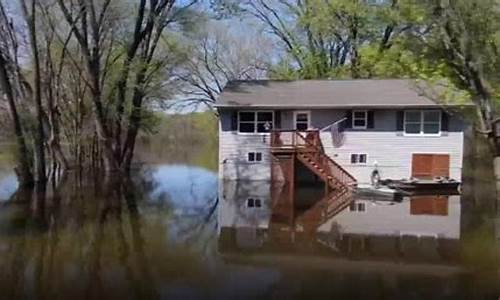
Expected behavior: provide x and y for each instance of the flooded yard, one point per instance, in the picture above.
(174, 231)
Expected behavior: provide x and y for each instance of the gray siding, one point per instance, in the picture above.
(385, 120)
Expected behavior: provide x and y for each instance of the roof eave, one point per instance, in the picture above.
(384, 106)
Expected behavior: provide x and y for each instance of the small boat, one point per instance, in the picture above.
(414, 185)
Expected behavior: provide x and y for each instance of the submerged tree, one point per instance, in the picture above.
(87, 79)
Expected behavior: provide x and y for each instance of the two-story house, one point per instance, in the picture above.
(361, 125)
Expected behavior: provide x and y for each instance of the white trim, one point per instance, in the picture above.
(422, 111)
(255, 112)
(353, 119)
(307, 112)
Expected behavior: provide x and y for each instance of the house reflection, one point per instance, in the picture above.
(421, 229)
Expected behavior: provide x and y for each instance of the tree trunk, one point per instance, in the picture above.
(110, 162)
(134, 123)
(30, 19)
(133, 130)
(24, 174)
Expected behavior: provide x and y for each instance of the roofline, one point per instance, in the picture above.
(341, 106)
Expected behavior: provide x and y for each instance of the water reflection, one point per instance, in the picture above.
(405, 249)
(421, 223)
(91, 239)
(173, 231)
(8, 185)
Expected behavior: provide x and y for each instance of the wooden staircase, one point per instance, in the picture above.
(307, 148)
(332, 204)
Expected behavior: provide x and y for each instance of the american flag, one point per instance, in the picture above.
(337, 132)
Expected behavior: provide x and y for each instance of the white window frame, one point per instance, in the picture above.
(422, 112)
(354, 119)
(357, 161)
(255, 157)
(256, 122)
(307, 112)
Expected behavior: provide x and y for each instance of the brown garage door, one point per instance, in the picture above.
(427, 166)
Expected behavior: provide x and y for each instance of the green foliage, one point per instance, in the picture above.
(443, 43)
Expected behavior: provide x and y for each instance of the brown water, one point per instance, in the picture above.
(175, 232)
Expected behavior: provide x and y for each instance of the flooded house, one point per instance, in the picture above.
(336, 131)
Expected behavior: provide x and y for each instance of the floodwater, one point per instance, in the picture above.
(174, 232)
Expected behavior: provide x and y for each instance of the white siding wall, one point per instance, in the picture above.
(233, 153)
(391, 151)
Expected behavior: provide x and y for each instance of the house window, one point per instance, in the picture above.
(302, 120)
(359, 158)
(254, 156)
(359, 119)
(255, 121)
(254, 203)
(420, 122)
(357, 206)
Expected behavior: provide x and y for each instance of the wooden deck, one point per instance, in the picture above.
(305, 147)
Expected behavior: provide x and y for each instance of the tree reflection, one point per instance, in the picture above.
(87, 238)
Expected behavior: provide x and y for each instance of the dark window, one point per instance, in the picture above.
(247, 116)
(247, 127)
(432, 122)
(357, 206)
(254, 203)
(301, 126)
(251, 121)
(264, 127)
(302, 121)
(258, 156)
(359, 158)
(254, 156)
(251, 156)
(265, 116)
(422, 122)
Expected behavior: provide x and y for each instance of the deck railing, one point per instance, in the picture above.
(309, 143)
(294, 138)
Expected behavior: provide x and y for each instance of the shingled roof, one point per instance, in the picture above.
(370, 93)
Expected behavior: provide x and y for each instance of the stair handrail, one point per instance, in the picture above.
(318, 149)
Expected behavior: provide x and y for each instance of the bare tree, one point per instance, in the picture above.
(217, 56)
(88, 23)
(93, 29)
(8, 53)
(30, 18)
